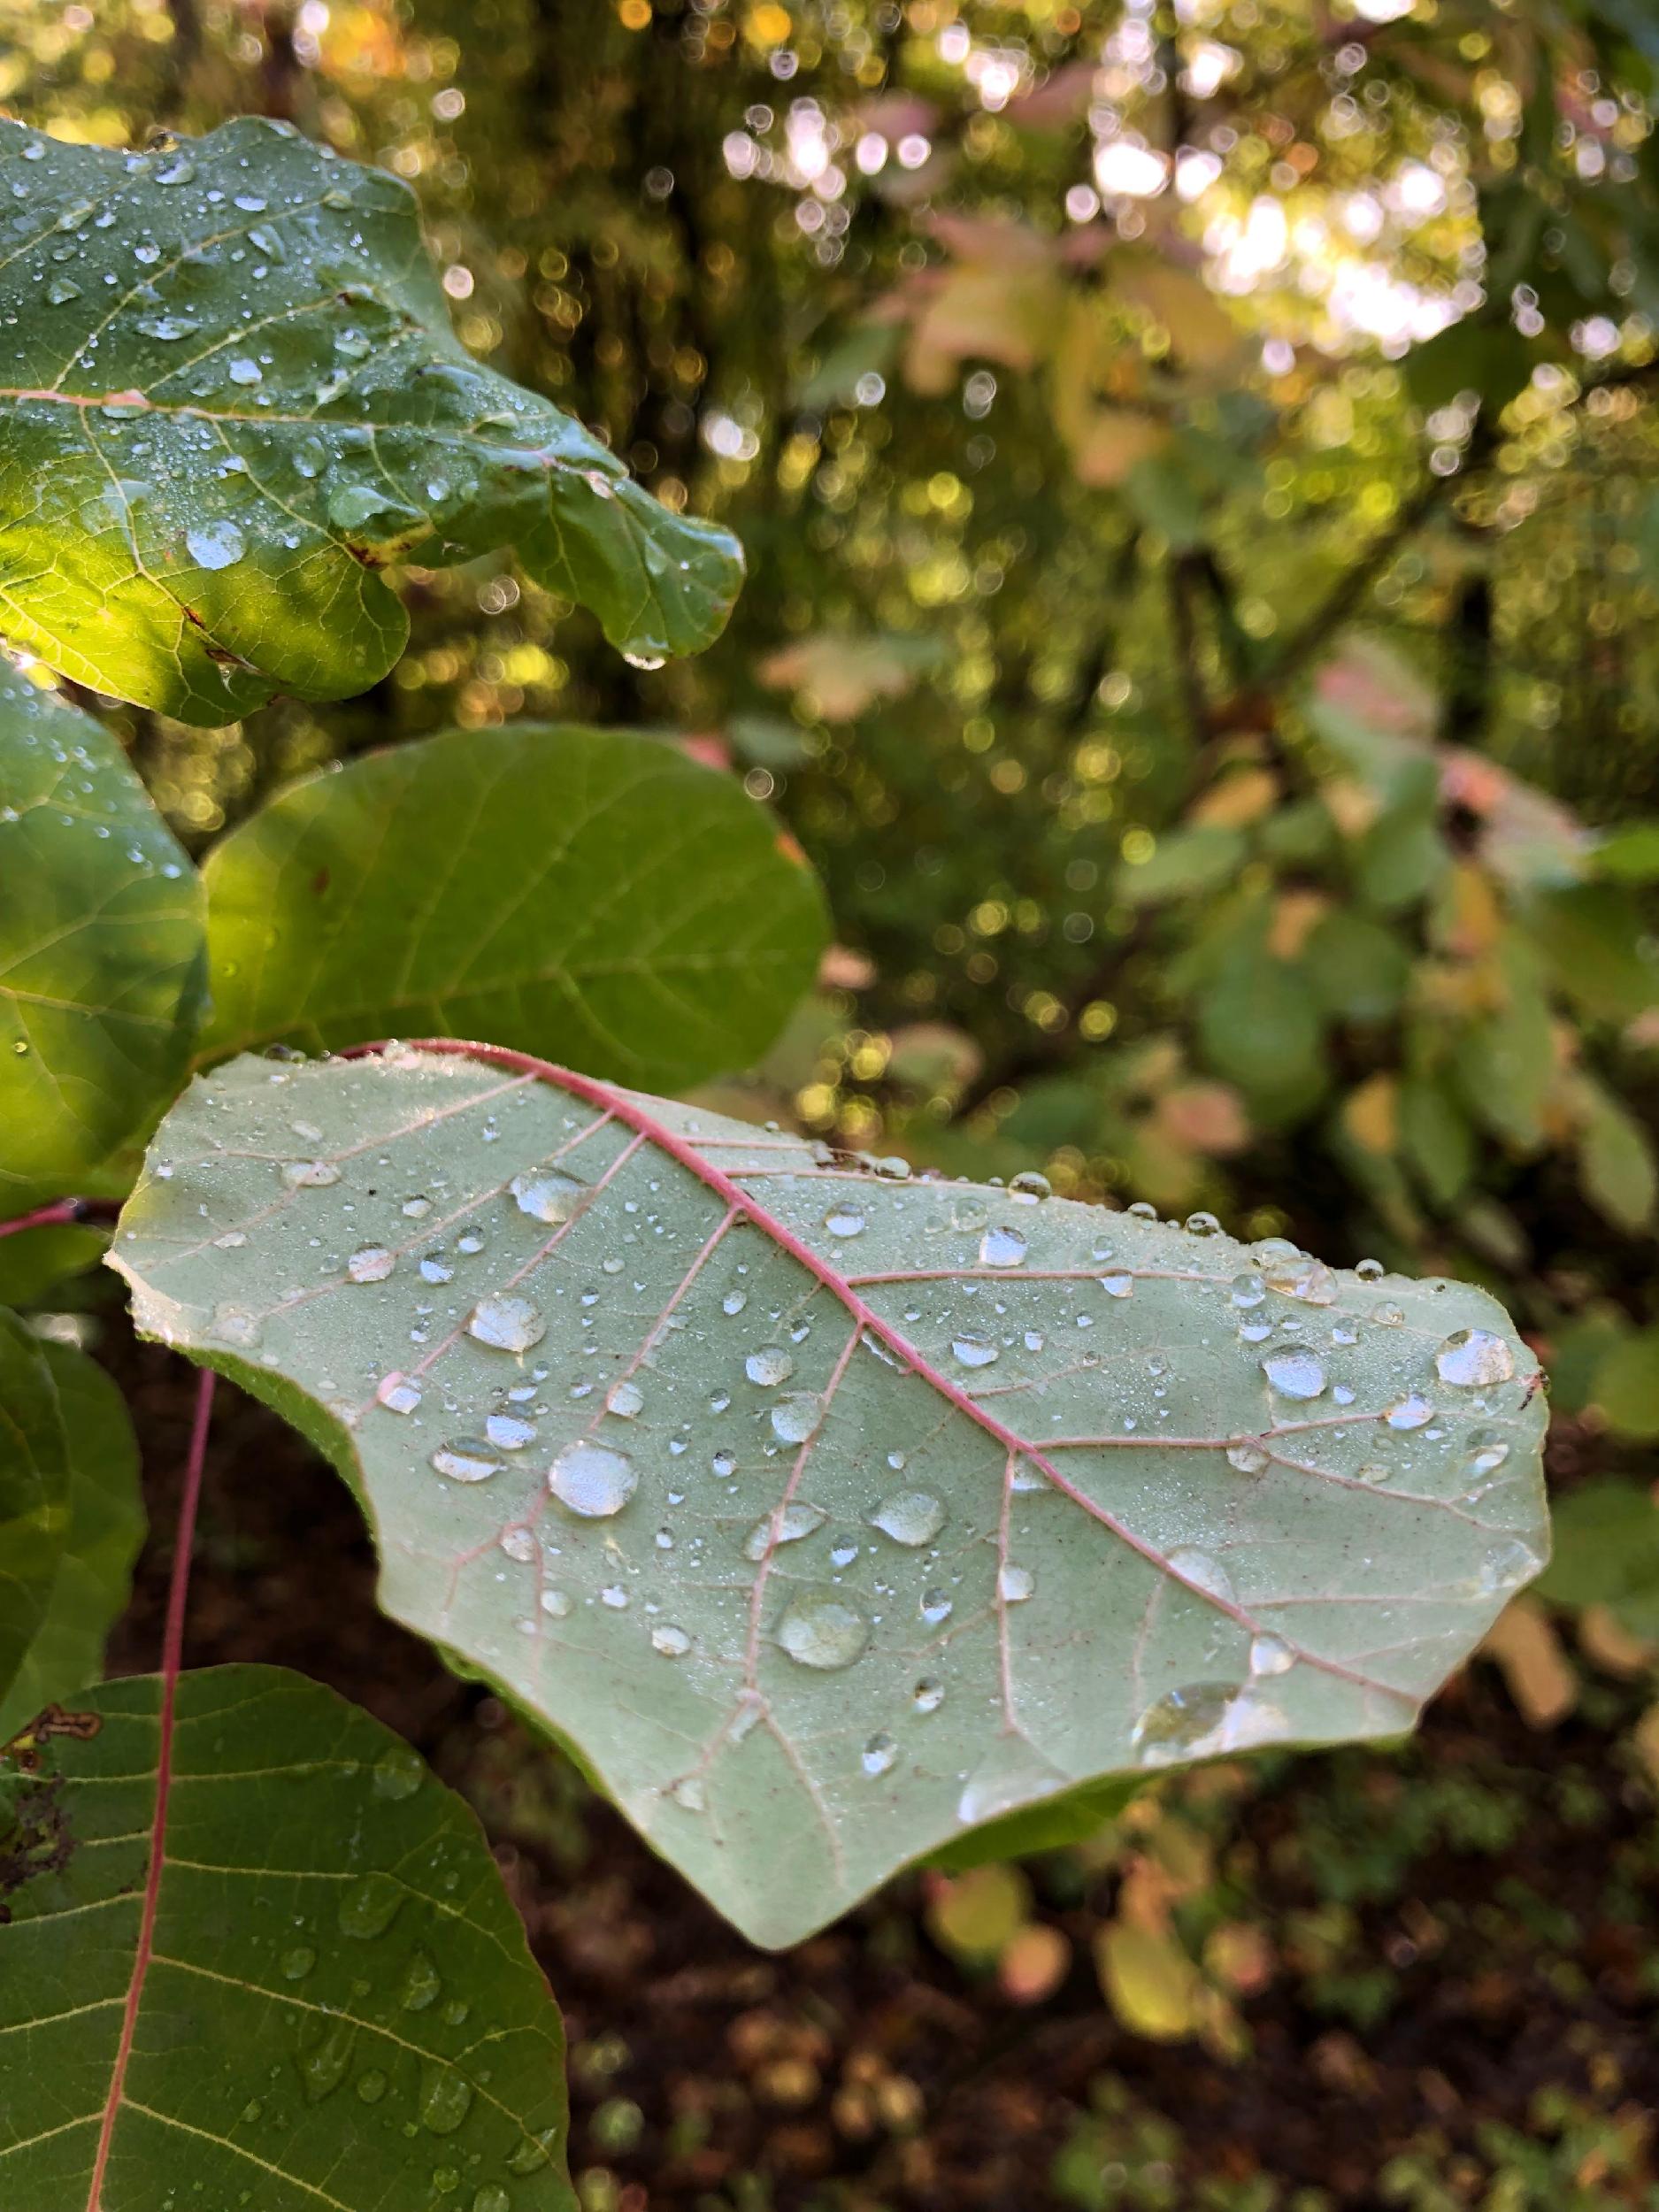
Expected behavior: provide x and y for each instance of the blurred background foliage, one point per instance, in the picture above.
(1199, 468)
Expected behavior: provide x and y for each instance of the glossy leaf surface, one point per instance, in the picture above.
(596, 896)
(314, 1994)
(231, 395)
(832, 1515)
(80, 1419)
(102, 957)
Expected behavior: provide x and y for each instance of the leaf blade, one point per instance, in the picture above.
(575, 906)
(855, 1519)
(304, 1850)
(103, 959)
(103, 1527)
(212, 459)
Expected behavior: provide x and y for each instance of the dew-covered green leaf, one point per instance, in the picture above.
(830, 1515)
(102, 958)
(331, 2004)
(231, 396)
(596, 897)
(33, 1492)
(104, 1525)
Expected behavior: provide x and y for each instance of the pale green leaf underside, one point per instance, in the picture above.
(337, 2004)
(230, 393)
(1013, 1555)
(102, 954)
(594, 897)
(102, 1529)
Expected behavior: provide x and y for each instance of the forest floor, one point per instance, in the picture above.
(1435, 1984)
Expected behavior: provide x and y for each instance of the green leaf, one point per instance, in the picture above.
(1627, 1385)
(1593, 940)
(33, 1492)
(282, 1973)
(103, 1518)
(1184, 861)
(1630, 855)
(101, 960)
(1259, 1025)
(1359, 968)
(1607, 1552)
(831, 1516)
(1492, 360)
(1506, 1061)
(1435, 1137)
(595, 895)
(233, 396)
(33, 1261)
(1616, 1159)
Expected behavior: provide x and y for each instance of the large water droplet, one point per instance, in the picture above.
(591, 1481)
(1507, 1565)
(1294, 1374)
(796, 1521)
(1002, 1248)
(973, 1351)
(510, 1432)
(548, 1194)
(1249, 1456)
(1119, 1284)
(1474, 1358)
(1015, 1584)
(1270, 1654)
(1028, 1185)
(323, 2066)
(446, 2098)
(1203, 1572)
(310, 1174)
(625, 1398)
(370, 1263)
(1410, 1412)
(506, 1323)
(215, 545)
(670, 1641)
(878, 1754)
(398, 1772)
(794, 1418)
(468, 1459)
(909, 1516)
(370, 1905)
(769, 1366)
(844, 1220)
(1204, 1719)
(820, 1629)
(397, 1393)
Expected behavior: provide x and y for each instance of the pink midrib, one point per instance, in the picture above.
(173, 1653)
(627, 1109)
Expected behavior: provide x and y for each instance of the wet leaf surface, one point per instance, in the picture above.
(101, 957)
(232, 395)
(829, 1514)
(333, 2002)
